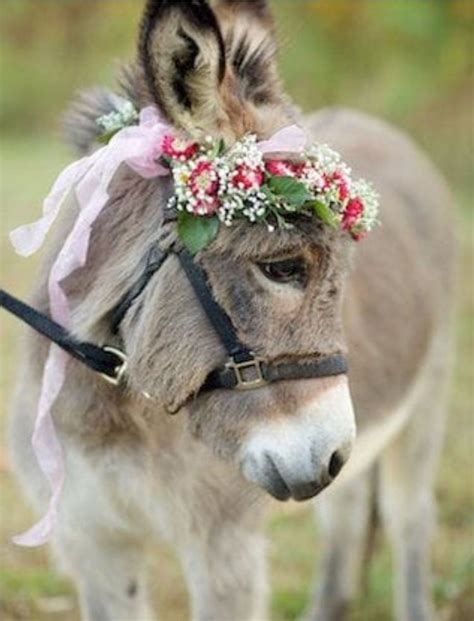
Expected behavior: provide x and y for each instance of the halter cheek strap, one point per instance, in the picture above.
(219, 319)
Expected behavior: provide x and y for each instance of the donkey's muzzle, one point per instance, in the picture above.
(299, 454)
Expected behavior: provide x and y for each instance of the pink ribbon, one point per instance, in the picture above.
(291, 139)
(140, 147)
(90, 178)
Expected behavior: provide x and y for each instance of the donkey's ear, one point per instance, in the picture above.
(182, 53)
(251, 48)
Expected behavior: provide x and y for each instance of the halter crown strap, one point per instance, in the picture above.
(154, 260)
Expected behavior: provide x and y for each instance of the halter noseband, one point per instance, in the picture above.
(243, 370)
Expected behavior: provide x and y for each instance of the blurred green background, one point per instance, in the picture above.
(409, 61)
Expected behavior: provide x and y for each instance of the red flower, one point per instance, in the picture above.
(340, 181)
(327, 181)
(178, 148)
(206, 206)
(299, 169)
(353, 211)
(203, 179)
(359, 236)
(343, 185)
(247, 178)
(280, 168)
(343, 191)
(204, 184)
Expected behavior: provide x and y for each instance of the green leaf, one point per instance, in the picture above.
(282, 223)
(165, 161)
(268, 193)
(325, 213)
(197, 232)
(218, 148)
(221, 146)
(290, 189)
(107, 137)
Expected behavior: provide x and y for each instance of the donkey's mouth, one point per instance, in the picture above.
(274, 483)
(269, 477)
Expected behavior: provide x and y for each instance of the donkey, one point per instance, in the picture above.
(199, 479)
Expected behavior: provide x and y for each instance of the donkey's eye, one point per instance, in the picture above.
(292, 270)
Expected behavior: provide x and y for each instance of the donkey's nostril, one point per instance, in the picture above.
(335, 464)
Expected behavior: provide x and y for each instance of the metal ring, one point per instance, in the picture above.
(119, 370)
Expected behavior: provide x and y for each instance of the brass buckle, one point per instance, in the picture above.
(119, 370)
(240, 368)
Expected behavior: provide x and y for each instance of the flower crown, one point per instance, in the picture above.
(213, 186)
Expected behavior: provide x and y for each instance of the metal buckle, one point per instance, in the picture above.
(240, 368)
(119, 370)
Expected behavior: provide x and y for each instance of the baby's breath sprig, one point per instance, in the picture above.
(124, 115)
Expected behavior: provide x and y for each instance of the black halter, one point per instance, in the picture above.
(243, 371)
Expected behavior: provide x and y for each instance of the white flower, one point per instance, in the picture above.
(366, 192)
(125, 114)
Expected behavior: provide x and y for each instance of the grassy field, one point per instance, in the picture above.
(421, 79)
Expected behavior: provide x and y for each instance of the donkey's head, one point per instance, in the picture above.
(213, 72)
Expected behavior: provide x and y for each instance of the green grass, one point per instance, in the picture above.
(29, 584)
